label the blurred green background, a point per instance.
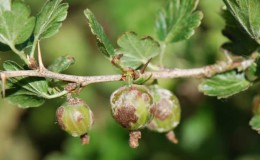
(209, 129)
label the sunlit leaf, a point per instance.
(178, 21)
(224, 85)
(246, 13)
(16, 25)
(103, 42)
(50, 18)
(136, 51)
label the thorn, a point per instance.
(41, 66)
(145, 65)
(3, 78)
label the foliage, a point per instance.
(135, 55)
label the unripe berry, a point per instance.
(166, 111)
(131, 106)
(76, 118)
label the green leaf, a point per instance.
(103, 42)
(224, 85)
(16, 25)
(23, 99)
(241, 43)
(36, 86)
(246, 13)
(178, 21)
(255, 122)
(61, 64)
(136, 51)
(50, 18)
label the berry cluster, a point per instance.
(133, 106)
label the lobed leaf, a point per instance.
(178, 21)
(16, 25)
(224, 85)
(255, 122)
(246, 12)
(241, 43)
(50, 18)
(61, 64)
(103, 42)
(136, 51)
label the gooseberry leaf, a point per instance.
(50, 18)
(246, 13)
(224, 85)
(103, 42)
(240, 41)
(255, 122)
(61, 64)
(136, 51)
(16, 25)
(178, 21)
(36, 86)
(23, 99)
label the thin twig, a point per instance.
(206, 71)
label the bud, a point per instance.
(76, 118)
(166, 112)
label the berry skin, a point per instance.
(131, 106)
(166, 110)
(76, 118)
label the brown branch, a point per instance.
(206, 71)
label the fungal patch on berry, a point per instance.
(126, 116)
(162, 110)
(131, 106)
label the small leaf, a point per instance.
(36, 86)
(16, 26)
(255, 122)
(241, 43)
(136, 51)
(61, 64)
(246, 13)
(103, 42)
(50, 18)
(178, 21)
(224, 85)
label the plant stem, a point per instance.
(21, 54)
(206, 71)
